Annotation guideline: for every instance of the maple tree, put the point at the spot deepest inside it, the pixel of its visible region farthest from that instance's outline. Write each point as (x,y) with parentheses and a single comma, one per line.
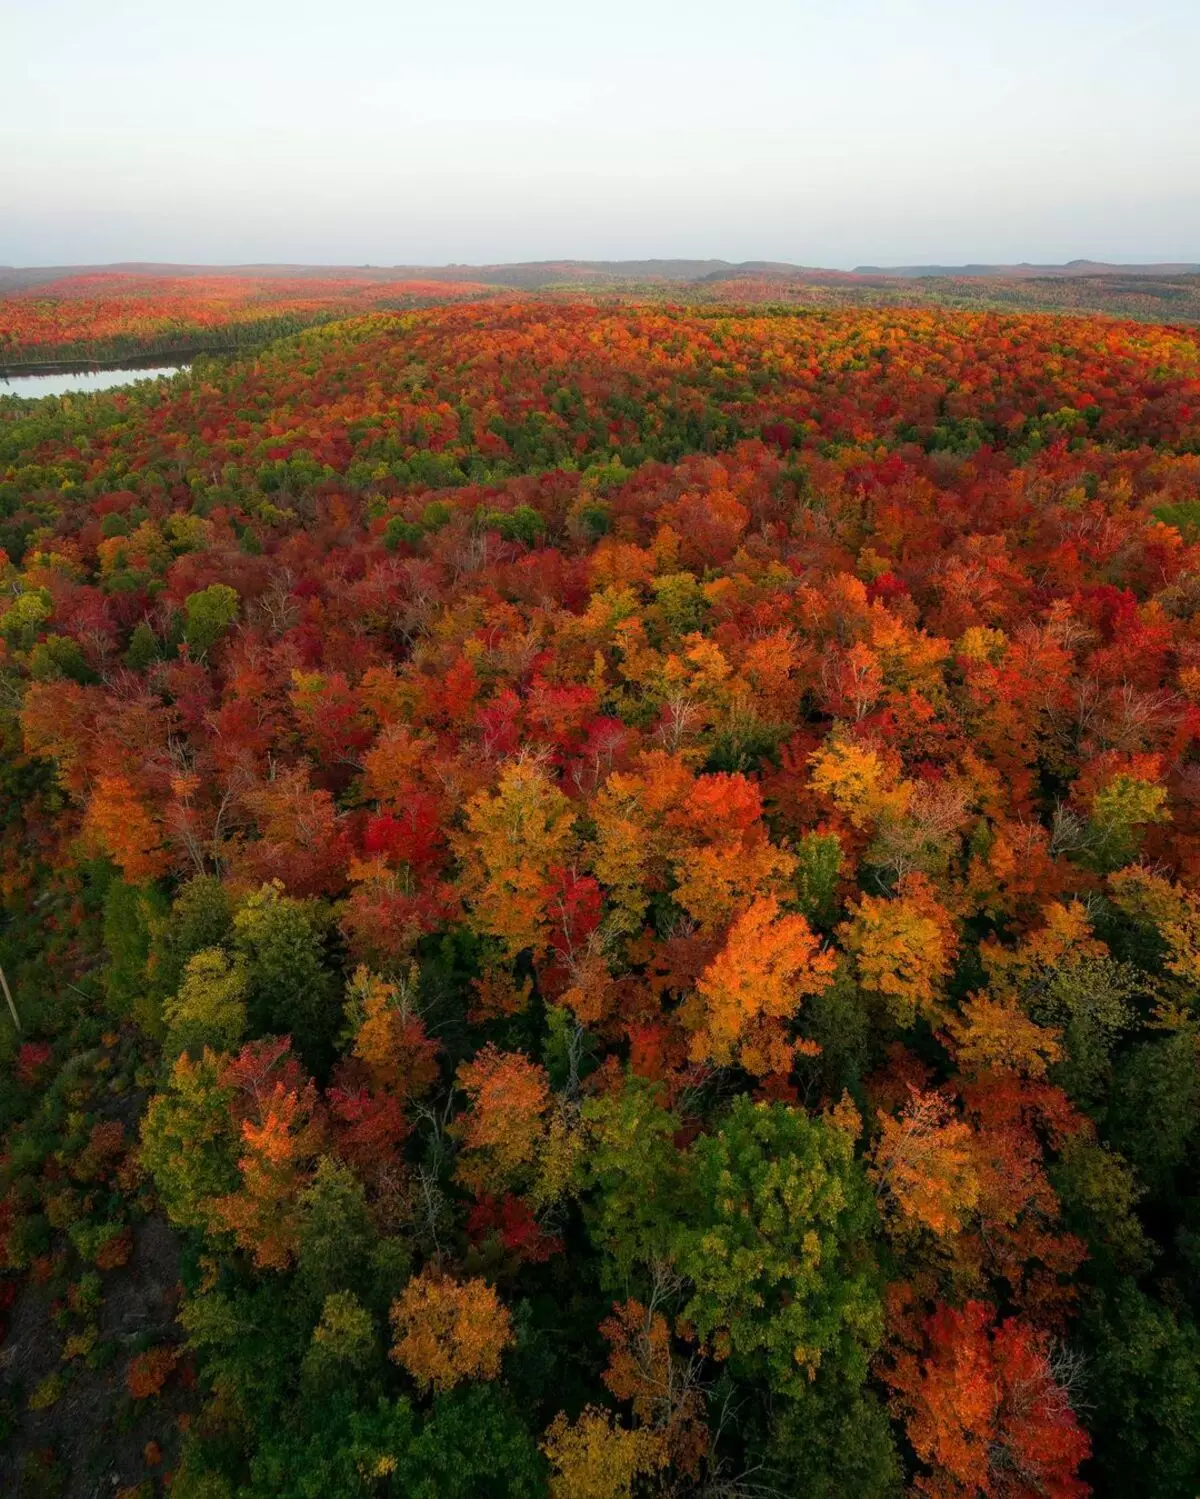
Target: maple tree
(118,822)
(505,1123)
(120,315)
(770,961)
(660,1384)
(149,1371)
(922,1165)
(277,1149)
(987,1411)
(390,1039)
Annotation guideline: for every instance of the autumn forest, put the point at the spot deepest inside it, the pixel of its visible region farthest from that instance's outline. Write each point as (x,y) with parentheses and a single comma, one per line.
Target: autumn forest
(599,900)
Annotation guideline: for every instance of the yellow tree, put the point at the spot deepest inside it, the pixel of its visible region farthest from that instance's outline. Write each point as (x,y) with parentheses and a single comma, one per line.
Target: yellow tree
(633,839)
(996,1035)
(515,837)
(903,948)
(594,1458)
(864,785)
(1064,939)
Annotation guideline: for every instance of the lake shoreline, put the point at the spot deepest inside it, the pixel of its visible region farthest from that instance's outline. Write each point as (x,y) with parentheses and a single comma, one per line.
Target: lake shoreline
(98,366)
(76,379)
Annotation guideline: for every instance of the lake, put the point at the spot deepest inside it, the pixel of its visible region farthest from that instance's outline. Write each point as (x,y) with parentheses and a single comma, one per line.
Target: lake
(62,382)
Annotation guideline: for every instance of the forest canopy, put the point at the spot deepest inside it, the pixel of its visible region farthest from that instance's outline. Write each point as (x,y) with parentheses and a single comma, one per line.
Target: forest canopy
(606,902)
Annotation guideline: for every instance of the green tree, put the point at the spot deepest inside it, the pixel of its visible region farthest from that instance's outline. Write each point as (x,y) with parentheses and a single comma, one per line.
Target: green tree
(1154,1112)
(680,600)
(775,1242)
(1091,1001)
(210,1007)
(201,917)
(1099,1194)
(471,1445)
(833,1440)
(1120,811)
(818,869)
(630,1174)
(344,1342)
(21,622)
(838,1019)
(131,915)
(337,1237)
(59,656)
(333,1447)
(250,1344)
(1144,1391)
(143,647)
(289,989)
(189,1144)
(207,616)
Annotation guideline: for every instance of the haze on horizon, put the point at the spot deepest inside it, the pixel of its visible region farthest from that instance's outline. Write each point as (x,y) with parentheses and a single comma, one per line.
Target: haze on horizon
(880,131)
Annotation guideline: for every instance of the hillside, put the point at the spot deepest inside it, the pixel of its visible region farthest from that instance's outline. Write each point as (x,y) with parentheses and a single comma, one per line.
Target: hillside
(79,315)
(600,900)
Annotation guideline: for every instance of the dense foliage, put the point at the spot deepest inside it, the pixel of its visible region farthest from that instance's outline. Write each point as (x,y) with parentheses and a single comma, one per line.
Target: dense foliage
(111,315)
(627,884)
(1154,297)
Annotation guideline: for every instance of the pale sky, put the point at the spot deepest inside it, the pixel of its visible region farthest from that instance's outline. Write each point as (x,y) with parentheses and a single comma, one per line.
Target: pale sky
(831,133)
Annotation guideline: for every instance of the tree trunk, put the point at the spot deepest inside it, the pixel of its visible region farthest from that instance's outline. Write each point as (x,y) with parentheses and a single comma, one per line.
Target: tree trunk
(8,996)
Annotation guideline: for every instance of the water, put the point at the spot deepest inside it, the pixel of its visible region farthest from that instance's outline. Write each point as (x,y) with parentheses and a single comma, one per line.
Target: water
(64,382)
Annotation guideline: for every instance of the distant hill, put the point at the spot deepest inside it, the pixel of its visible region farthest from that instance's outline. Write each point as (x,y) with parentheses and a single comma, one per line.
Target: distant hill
(528,274)
(1027,270)
(531,274)
(1152,293)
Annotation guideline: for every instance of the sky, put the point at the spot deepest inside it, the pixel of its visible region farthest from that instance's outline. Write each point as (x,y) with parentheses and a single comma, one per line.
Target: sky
(821,132)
